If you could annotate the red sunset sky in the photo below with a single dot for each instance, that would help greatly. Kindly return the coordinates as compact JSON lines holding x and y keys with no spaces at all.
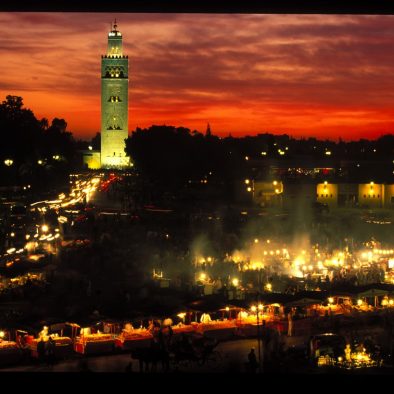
{"x":327,"y":76}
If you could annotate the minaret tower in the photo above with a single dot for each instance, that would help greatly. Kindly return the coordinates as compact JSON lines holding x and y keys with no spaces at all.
{"x":114,"y":102}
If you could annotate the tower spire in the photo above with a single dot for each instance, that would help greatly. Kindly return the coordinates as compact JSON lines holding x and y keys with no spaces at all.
{"x":115,"y":25}
{"x":208,"y":132}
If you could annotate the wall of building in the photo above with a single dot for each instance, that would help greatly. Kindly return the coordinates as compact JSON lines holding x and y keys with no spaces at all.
{"x":114,"y":103}
{"x":300,"y":195}
{"x":91,"y":159}
{"x":267,"y":193}
{"x":371,"y":195}
{"x":347,"y":195}
{"x":388,"y":196}
{"x":327,"y":193}
{"x":114,"y":114}
{"x":291,"y":195}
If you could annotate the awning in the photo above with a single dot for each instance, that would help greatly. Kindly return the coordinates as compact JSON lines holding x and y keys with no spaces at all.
{"x":304,"y":302}
{"x":206,"y":304}
{"x":372,"y":293}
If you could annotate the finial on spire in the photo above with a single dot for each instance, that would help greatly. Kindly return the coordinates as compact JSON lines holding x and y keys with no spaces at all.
{"x":115,"y":25}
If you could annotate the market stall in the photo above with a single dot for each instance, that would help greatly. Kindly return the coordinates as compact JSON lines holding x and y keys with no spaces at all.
{"x":181,"y":328}
{"x":98,"y":343}
{"x":9,"y":352}
{"x":250,"y":321}
{"x":131,"y":338}
{"x":57,"y":344}
{"x":63,"y":346}
{"x":219,"y":329}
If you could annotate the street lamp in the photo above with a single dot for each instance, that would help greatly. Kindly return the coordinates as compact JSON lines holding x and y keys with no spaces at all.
{"x":250,"y":188}
{"x":258,"y":309}
{"x":8,"y":162}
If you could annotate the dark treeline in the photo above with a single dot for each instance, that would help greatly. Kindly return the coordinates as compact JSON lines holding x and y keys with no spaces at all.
{"x":33,"y":151}
{"x":176,"y":156}
{"x":173,"y":157}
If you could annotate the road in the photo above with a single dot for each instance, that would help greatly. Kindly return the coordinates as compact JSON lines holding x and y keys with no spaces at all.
{"x":233,"y":356}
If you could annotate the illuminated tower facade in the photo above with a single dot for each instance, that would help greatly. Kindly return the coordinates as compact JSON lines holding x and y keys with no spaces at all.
{"x":114,"y":102}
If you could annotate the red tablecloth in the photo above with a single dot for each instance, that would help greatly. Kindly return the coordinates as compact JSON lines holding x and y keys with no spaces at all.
{"x":132,"y":343}
{"x":95,"y":347}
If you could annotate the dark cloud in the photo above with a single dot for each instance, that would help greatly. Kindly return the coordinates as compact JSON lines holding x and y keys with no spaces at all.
{"x":321,"y":74}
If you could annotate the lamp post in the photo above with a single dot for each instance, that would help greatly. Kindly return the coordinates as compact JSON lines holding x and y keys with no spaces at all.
{"x":257,"y":310}
{"x":250,"y":187}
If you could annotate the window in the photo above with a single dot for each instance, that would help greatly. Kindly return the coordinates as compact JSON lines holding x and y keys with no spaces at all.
{"x":322,"y":195}
{"x":331,"y":195}
{"x":378,"y":195}
{"x":365,"y":196}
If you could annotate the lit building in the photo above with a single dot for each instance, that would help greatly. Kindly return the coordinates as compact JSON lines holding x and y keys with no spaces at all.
{"x":327,"y":193}
{"x":91,"y":159}
{"x":114,"y":103}
{"x":365,"y":195}
{"x":388,"y":198}
{"x":267,"y":193}
{"x":371,"y":195}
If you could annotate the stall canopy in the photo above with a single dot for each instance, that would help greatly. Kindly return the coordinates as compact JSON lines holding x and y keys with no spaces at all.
{"x":276,"y":298}
{"x":303,"y":302}
{"x":315,"y":295}
{"x":240,"y":304}
{"x":57,"y":327}
{"x":372,"y":293}
{"x":207,"y":304}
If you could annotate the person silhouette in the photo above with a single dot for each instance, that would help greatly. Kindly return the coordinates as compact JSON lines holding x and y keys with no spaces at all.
{"x":252,"y":361}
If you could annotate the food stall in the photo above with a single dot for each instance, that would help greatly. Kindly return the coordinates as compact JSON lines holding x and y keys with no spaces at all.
{"x":213,"y":327}
{"x":131,"y":338}
{"x":250,"y":319}
{"x":98,"y":343}
{"x":9,"y":351}
{"x":63,"y":346}
{"x":219,"y":329}
{"x":370,"y":298}
{"x":181,"y":328}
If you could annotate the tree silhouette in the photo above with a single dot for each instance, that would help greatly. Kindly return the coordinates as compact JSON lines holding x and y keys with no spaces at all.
{"x":28,"y":141}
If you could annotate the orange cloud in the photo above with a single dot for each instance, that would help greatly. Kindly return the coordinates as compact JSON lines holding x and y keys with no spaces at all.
{"x":305,"y":75}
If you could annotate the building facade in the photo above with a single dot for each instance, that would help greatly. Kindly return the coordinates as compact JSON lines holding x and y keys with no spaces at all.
{"x":335,"y":195}
{"x":114,"y":102}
